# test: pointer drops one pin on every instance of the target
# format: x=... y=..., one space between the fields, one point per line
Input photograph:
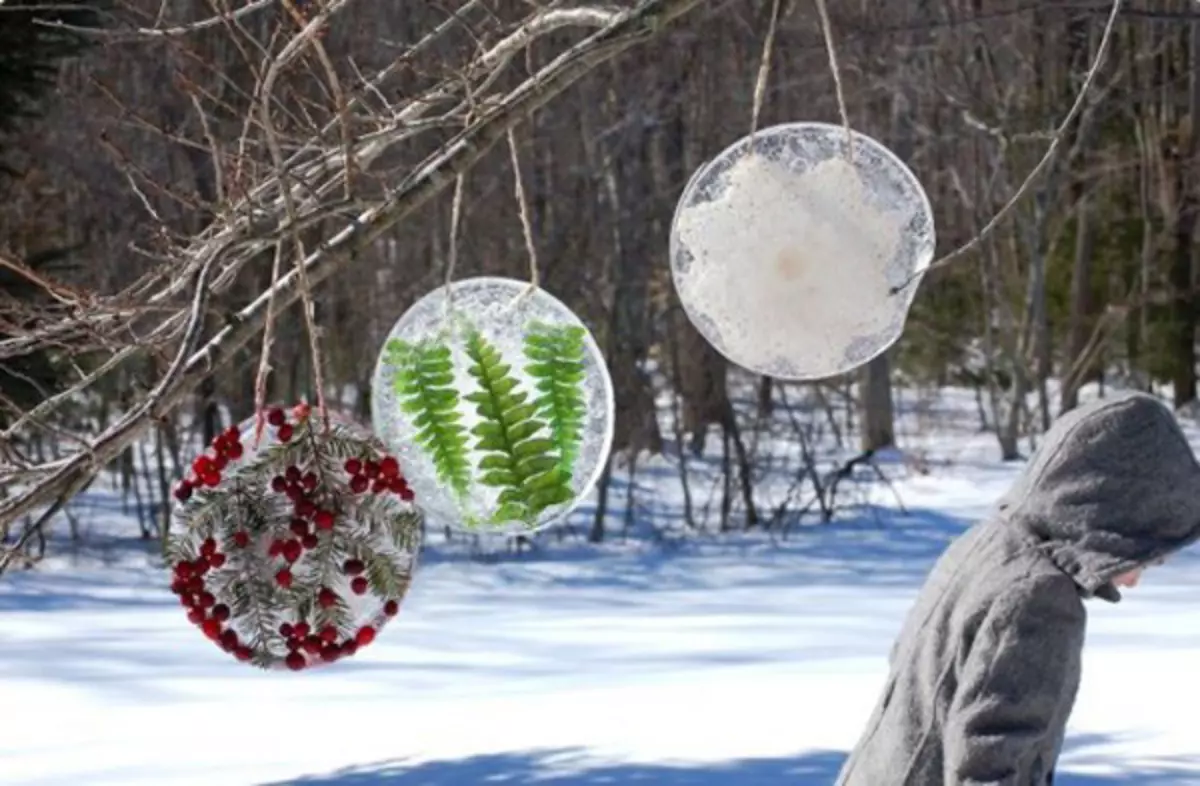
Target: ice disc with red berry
x=293 y=548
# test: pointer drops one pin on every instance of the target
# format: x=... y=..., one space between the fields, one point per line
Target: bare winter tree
x=291 y=162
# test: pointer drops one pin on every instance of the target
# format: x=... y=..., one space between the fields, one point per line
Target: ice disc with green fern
x=497 y=399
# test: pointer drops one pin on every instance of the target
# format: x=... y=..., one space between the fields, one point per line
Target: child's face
x=1130 y=578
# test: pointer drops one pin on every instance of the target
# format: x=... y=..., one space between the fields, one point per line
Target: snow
x=698 y=661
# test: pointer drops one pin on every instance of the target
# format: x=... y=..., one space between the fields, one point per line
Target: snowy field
x=731 y=662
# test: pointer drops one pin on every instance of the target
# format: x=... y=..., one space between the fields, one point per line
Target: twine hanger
x=764 y=70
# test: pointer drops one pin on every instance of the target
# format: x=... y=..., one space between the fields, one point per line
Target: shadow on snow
x=570 y=768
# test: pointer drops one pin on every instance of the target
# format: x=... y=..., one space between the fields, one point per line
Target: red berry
x=275 y=549
x=331 y=653
x=285 y=433
x=183 y=492
x=235 y=450
x=284 y=578
x=279 y=484
x=295 y=493
x=292 y=550
x=195 y=584
x=241 y=539
x=312 y=644
x=183 y=569
x=196 y=616
x=353 y=567
x=359 y=483
x=326 y=597
x=229 y=640
x=305 y=508
x=299 y=527
x=220 y=612
x=406 y=494
x=371 y=469
x=353 y=466
x=301 y=630
x=242 y=652
x=203 y=465
x=207 y=600
x=293 y=644
x=285 y=630
x=222 y=461
x=295 y=661
x=187 y=601
x=211 y=479
x=390 y=608
x=329 y=633
x=323 y=519
x=200 y=566
x=389 y=467
x=211 y=628
x=292 y=474
x=216 y=560
x=309 y=481
x=380 y=485
x=276 y=417
x=309 y=541
x=349 y=647
x=365 y=636
x=359 y=585
x=178 y=586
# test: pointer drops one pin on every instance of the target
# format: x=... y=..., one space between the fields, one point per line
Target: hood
x=1114 y=486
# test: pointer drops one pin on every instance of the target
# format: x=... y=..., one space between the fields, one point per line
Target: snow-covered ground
x=738 y=662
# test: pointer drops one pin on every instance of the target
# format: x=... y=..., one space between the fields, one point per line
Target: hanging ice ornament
x=787 y=257
x=497 y=402
x=296 y=551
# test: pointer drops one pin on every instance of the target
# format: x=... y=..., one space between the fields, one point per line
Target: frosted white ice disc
x=505 y=313
x=785 y=258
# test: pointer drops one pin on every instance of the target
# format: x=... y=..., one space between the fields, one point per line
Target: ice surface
x=375 y=527
x=785 y=255
x=502 y=310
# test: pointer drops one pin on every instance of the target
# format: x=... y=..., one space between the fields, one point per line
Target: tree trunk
x=1182 y=279
x=878 y=421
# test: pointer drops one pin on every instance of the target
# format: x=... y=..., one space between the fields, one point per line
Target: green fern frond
x=518 y=457
x=556 y=355
x=424 y=384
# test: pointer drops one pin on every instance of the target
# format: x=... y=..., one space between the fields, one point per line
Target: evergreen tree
x=36 y=36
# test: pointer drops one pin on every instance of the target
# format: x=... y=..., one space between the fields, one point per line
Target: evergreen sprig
x=231 y=551
x=518 y=457
x=556 y=353
x=424 y=383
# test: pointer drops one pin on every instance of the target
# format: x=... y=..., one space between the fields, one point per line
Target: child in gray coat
x=985 y=671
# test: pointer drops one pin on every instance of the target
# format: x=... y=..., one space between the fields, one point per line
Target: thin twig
x=1042 y=165
x=153 y=32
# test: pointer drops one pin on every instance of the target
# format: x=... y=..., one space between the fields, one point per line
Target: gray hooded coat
x=984 y=674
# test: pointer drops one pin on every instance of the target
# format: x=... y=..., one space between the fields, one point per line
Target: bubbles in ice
x=784 y=257
x=509 y=444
